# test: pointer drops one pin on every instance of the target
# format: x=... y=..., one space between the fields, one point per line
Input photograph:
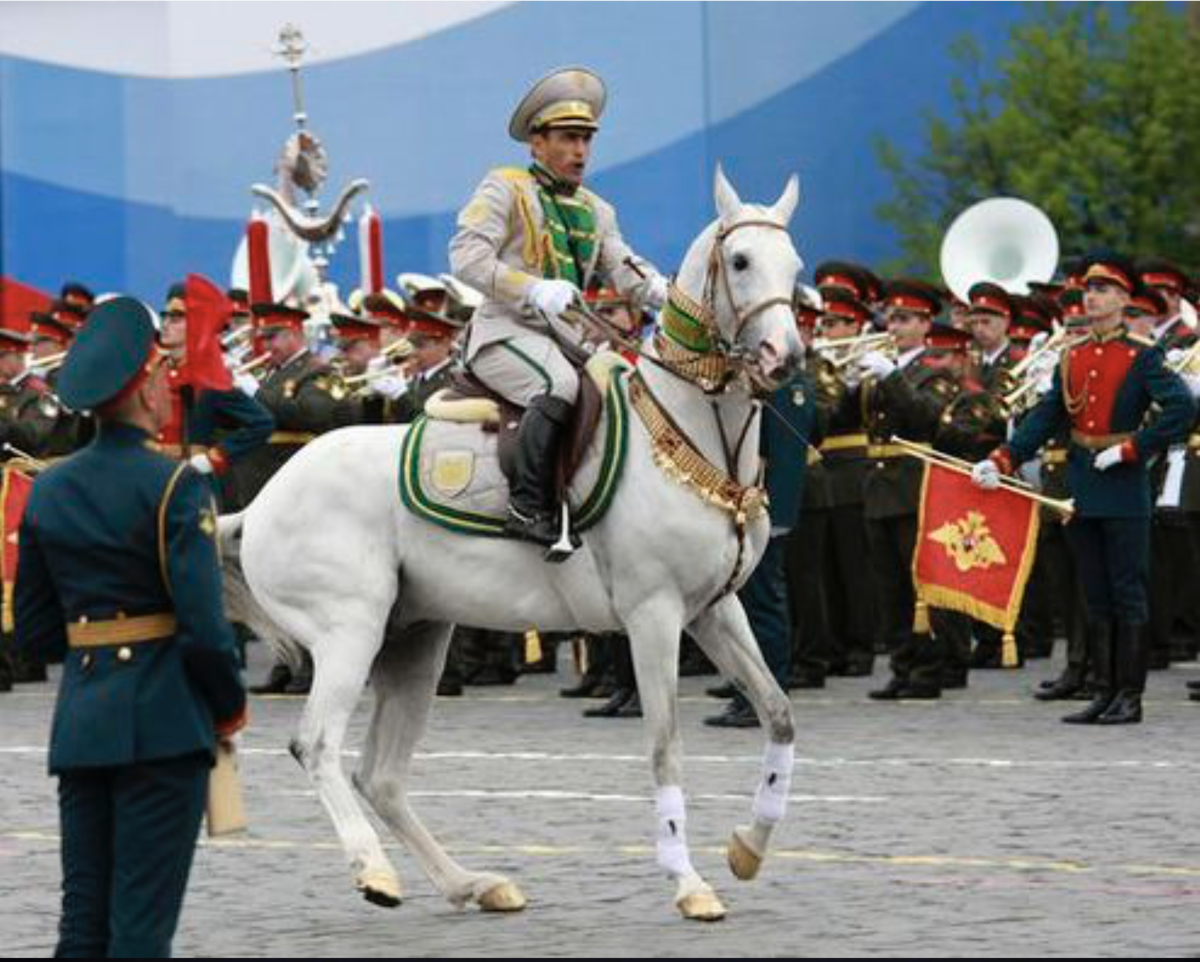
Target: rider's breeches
x=522 y=368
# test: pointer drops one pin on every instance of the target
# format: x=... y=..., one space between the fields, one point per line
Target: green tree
x=1092 y=114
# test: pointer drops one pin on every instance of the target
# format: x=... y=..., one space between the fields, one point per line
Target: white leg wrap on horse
x=672 y=837
x=770 y=801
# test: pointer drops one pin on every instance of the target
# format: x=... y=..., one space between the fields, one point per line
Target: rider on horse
x=532 y=239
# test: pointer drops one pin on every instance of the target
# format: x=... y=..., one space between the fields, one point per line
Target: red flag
x=14 y=494
x=208 y=312
x=975 y=548
x=18 y=301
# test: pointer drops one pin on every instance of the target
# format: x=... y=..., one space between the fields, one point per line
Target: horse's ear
x=726 y=197
x=785 y=207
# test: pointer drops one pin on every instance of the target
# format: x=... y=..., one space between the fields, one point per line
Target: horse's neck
x=719 y=426
x=690 y=408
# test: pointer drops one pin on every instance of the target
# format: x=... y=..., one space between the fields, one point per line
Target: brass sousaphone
x=1003 y=240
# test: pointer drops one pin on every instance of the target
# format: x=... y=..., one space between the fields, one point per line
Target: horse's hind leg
x=725 y=635
x=404 y=681
x=340 y=667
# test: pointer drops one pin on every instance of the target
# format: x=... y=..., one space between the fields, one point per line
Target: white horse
x=328 y=549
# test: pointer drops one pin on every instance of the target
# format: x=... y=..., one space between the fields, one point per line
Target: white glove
x=656 y=293
x=552 y=297
x=390 y=386
x=986 y=475
x=378 y=363
x=247 y=384
x=1108 y=457
x=1193 y=383
x=202 y=463
x=876 y=364
x=1175 y=356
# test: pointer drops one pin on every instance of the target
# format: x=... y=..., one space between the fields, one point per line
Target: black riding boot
x=1131 y=661
x=532 y=514
x=1101 y=648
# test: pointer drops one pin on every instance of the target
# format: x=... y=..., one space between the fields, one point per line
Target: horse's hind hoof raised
x=744 y=862
x=505 y=897
x=380 y=888
x=701 y=905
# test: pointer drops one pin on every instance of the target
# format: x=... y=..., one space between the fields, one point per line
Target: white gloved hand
x=1035 y=342
x=1175 y=356
x=378 y=363
x=876 y=364
x=247 y=384
x=986 y=475
x=1193 y=383
x=1108 y=457
x=390 y=386
x=552 y=297
x=656 y=292
x=202 y=463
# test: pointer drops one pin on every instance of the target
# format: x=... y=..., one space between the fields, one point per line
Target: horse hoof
x=504 y=897
x=701 y=906
x=380 y=888
x=743 y=861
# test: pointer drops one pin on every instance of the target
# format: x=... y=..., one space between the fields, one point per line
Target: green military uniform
x=299 y=396
x=119 y=574
x=908 y=403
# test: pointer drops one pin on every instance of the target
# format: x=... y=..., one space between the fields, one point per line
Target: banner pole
x=951 y=463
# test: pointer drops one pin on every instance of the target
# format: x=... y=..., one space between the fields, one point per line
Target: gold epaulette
x=1140 y=339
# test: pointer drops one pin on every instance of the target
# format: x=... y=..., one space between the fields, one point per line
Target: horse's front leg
x=654 y=639
x=725 y=635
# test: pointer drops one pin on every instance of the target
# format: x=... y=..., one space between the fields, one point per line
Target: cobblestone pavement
x=975 y=825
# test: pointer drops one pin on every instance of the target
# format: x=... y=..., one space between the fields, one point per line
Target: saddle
x=469 y=401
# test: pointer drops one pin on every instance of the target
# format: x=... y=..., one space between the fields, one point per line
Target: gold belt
x=120 y=631
x=842 y=442
x=290 y=437
x=1055 y=456
x=885 y=451
x=1098 y=442
x=1194 y=441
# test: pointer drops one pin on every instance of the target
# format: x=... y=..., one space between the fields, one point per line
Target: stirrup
x=567 y=542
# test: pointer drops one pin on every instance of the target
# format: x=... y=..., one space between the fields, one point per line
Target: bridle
x=690 y=343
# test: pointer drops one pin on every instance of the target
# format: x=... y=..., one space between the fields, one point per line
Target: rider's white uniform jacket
x=500 y=246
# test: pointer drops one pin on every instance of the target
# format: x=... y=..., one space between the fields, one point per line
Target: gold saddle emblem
x=970 y=543
x=452 y=471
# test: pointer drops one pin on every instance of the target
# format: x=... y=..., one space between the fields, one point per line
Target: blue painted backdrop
x=128 y=182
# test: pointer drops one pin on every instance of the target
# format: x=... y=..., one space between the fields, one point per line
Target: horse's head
x=741 y=272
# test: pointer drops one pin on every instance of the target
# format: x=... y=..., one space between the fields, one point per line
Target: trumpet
x=839 y=353
x=1017 y=398
x=400 y=349
x=1188 y=362
x=232 y=338
x=51 y=362
x=252 y=365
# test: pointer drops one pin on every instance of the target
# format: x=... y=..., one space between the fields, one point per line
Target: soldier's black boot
x=532 y=515
x=1101 y=649
x=6 y=666
x=1064 y=686
x=1131 y=657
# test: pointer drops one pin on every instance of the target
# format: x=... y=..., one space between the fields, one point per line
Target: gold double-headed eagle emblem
x=970 y=543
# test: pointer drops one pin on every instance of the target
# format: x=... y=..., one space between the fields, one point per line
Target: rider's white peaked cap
x=569 y=97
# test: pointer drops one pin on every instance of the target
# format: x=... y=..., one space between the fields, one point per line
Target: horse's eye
x=740 y=262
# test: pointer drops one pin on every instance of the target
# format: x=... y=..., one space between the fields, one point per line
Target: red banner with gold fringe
x=975 y=548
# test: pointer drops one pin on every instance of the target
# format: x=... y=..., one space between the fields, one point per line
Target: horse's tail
x=240 y=603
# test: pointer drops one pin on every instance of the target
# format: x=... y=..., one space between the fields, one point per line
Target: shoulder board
x=1140 y=340
x=514 y=175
